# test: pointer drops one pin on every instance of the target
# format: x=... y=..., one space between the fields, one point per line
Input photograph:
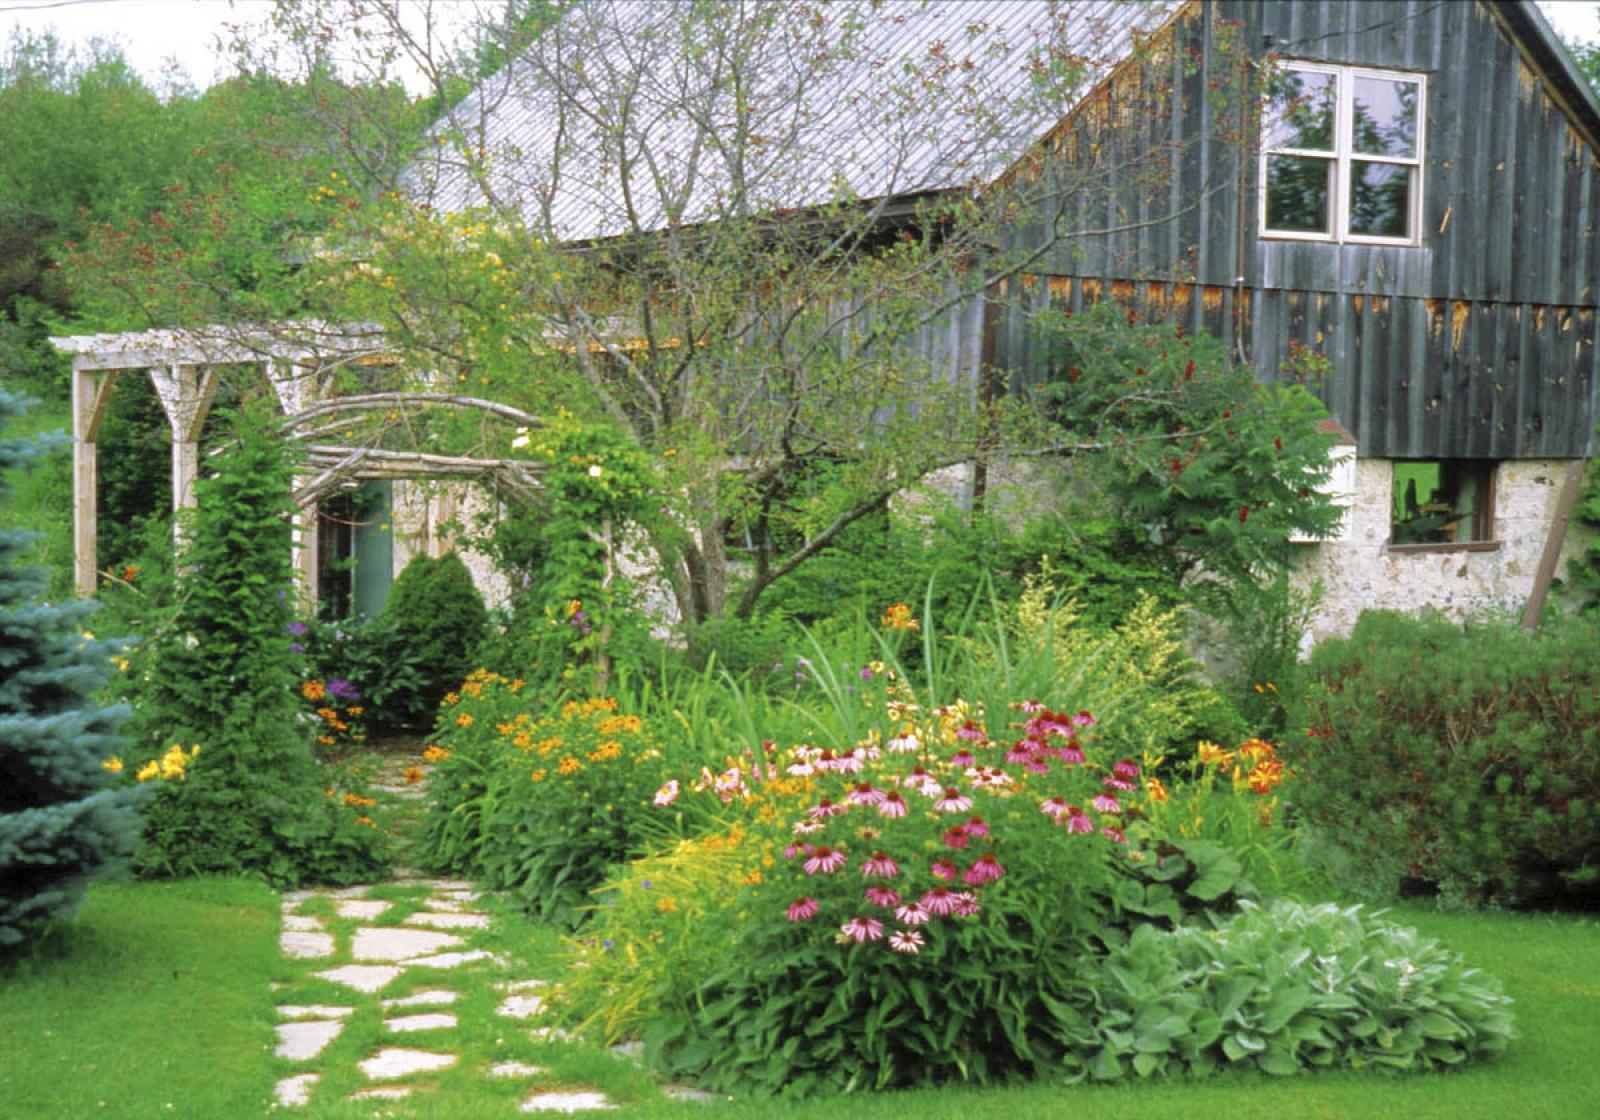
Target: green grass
x=156 y=1002
x=153 y=1003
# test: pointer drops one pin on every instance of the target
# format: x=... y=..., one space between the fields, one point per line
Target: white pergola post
x=90 y=393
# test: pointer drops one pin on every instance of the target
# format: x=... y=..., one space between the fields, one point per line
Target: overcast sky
x=155 y=32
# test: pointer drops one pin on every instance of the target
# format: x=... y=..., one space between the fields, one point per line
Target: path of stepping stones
x=397 y=964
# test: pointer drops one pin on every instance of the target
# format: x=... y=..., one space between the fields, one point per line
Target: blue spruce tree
x=62 y=818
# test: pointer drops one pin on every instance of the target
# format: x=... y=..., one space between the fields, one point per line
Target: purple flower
x=297 y=628
x=296 y=647
x=341 y=689
x=866 y=673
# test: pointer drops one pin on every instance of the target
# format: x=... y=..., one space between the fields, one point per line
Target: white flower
x=521 y=441
x=595 y=471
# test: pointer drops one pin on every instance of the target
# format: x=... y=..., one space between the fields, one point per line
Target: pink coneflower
x=850 y=763
x=984 y=869
x=1030 y=706
x=939 y=901
x=966 y=905
x=953 y=801
x=1053 y=806
x=1022 y=750
x=861 y=929
x=865 y=794
x=802 y=828
x=1071 y=754
x=976 y=826
x=1077 y=820
x=1083 y=719
x=825 y=861
x=892 y=805
x=1037 y=765
x=880 y=866
x=796 y=848
x=1110 y=782
x=1114 y=834
x=883 y=896
x=955 y=837
x=1126 y=768
x=802 y=909
x=985 y=777
x=801 y=769
x=943 y=869
x=904 y=744
x=667 y=794
x=963 y=759
x=912 y=914
x=1106 y=803
x=824 y=809
x=906 y=941
x=970 y=731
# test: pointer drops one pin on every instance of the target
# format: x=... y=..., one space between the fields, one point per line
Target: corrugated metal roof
x=784 y=105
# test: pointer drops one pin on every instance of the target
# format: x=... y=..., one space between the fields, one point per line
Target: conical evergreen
x=63 y=819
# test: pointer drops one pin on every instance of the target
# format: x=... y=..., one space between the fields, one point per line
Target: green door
x=373 y=547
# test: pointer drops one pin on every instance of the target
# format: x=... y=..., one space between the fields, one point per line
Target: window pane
x=1442 y=502
x=1380 y=199
x=1384 y=117
x=1300 y=110
x=1299 y=190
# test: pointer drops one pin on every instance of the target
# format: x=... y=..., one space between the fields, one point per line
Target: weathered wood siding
x=1479 y=342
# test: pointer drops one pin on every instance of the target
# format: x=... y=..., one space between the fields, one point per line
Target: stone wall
x=422 y=509
x=1362 y=572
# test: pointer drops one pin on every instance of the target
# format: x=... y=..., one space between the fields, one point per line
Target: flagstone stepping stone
x=391 y=943
x=585 y=1101
x=362 y=909
x=448 y=906
x=295 y=1092
x=520 y=1007
x=305 y=945
x=350 y=892
x=312 y=1011
x=430 y=997
x=448 y=921
x=550 y=1034
x=394 y=1062
x=362 y=977
x=302 y=923
x=382 y=1093
x=519 y=985
x=515 y=1069
x=461 y=894
x=428 y=1021
x=687 y=1093
x=447 y=884
x=454 y=960
x=630 y=1051
x=302 y=1040
x=293 y=899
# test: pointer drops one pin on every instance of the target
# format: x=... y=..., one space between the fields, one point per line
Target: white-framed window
x=1341 y=154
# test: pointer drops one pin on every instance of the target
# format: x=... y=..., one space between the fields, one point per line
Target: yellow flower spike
x=113 y=764
x=151 y=769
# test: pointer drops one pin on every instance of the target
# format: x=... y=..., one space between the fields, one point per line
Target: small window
x=1341 y=154
x=1442 y=502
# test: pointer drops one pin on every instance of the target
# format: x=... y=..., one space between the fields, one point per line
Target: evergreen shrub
x=439 y=620
x=1464 y=756
x=219 y=685
x=62 y=821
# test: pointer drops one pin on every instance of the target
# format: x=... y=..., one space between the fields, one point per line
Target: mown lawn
x=156 y=1003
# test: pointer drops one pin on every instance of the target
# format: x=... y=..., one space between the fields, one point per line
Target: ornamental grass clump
x=541 y=806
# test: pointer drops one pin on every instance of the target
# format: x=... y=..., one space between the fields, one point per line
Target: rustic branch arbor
x=303 y=364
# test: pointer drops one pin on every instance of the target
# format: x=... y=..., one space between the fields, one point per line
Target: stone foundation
x=1363 y=572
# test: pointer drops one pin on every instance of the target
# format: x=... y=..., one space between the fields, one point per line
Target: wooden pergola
x=301 y=363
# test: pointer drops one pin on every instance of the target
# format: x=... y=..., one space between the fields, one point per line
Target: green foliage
x=1284 y=988
x=1262 y=621
x=370 y=657
x=541 y=805
x=438 y=617
x=1207 y=466
x=61 y=822
x=1464 y=756
x=1583 y=570
x=222 y=679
